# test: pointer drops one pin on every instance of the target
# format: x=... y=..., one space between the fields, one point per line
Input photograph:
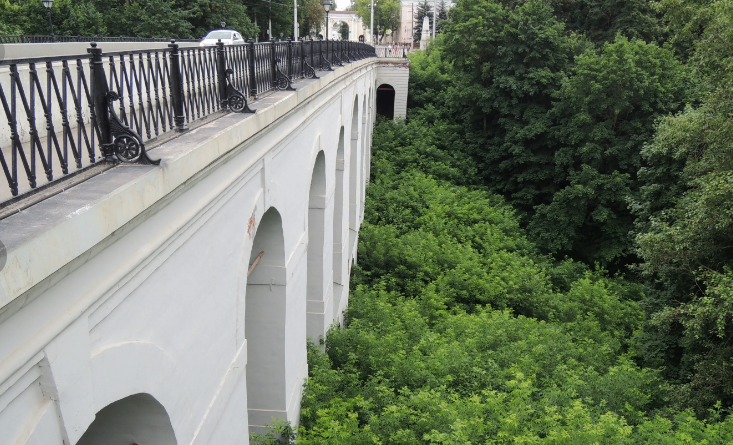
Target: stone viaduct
x=171 y=304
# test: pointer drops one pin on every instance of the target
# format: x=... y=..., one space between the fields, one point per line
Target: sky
x=342 y=4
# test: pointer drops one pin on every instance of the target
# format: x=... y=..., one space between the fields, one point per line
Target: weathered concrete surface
x=136 y=281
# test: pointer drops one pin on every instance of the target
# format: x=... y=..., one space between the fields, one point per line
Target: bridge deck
x=23 y=233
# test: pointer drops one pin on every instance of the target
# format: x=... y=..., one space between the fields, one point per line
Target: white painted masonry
x=395 y=73
x=126 y=310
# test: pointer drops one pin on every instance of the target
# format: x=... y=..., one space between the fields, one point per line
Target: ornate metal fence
x=65 y=114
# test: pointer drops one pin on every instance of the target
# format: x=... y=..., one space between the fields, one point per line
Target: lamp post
x=295 y=20
x=48 y=4
x=363 y=31
x=371 y=24
x=327 y=7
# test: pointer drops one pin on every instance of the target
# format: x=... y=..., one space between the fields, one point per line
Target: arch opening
x=264 y=323
x=338 y=227
x=136 y=419
x=353 y=171
x=385 y=101
x=362 y=158
x=340 y=30
x=316 y=323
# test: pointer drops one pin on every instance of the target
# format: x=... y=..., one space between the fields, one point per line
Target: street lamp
x=48 y=4
x=327 y=7
x=371 y=25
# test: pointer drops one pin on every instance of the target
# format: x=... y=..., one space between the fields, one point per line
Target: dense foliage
x=159 y=18
x=387 y=15
x=614 y=148
x=545 y=256
x=459 y=331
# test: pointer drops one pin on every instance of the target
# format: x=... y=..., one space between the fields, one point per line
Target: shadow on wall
x=385 y=101
x=264 y=323
x=138 y=419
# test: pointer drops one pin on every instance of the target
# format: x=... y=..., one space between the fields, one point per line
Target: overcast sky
x=342 y=4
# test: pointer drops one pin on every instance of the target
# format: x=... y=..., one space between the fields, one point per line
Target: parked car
x=227 y=36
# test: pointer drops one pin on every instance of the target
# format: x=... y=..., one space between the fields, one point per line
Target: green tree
x=602 y=20
x=344 y=31
x=509 y=66
x=208 y=15
x=69 y=18
x=684 y=222
x=442 y=15
x=311 y=16
x=605 y=112
x=423 y=9
x=424 y=359
x=279 y=15
x=386 y=14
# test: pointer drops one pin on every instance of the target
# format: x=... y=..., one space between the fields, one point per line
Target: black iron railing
x=65 y=114
x=32 y=38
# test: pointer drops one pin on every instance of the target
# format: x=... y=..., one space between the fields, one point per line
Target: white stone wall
x=135 y=281
x=395 y=73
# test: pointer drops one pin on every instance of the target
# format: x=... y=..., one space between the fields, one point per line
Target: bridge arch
x=337 y=30
x=316 y=301
x=338 y=226
x=129 y=368
x=138 y=419
x=363 y=156
x=353 y=172
x=386 y=100
x=265 y=322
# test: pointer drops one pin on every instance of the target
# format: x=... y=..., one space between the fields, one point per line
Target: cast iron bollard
x=221 y=75
x=273 y=63
x=177 y=87
x=290 y=58
x=99 y=100
x=115 y=138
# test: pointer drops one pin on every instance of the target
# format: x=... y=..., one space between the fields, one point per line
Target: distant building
x=402 y=35
x=353 y=21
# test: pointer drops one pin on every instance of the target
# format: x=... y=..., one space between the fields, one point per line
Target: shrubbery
x=459 y=331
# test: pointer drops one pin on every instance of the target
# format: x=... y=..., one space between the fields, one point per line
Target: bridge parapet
x=188 y=289
x=60 y=122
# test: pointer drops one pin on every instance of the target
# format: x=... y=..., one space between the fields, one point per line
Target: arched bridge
x=170 y=303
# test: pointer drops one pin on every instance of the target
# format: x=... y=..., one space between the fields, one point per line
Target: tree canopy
x=545 y=256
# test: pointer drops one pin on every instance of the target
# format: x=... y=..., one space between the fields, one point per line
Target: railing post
x=320 y=53
x=272 y=63
x=312 y=43
x=290 y=58
x=176 y=87
x=251 y=65
x=99 y=100
x=221 y=74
